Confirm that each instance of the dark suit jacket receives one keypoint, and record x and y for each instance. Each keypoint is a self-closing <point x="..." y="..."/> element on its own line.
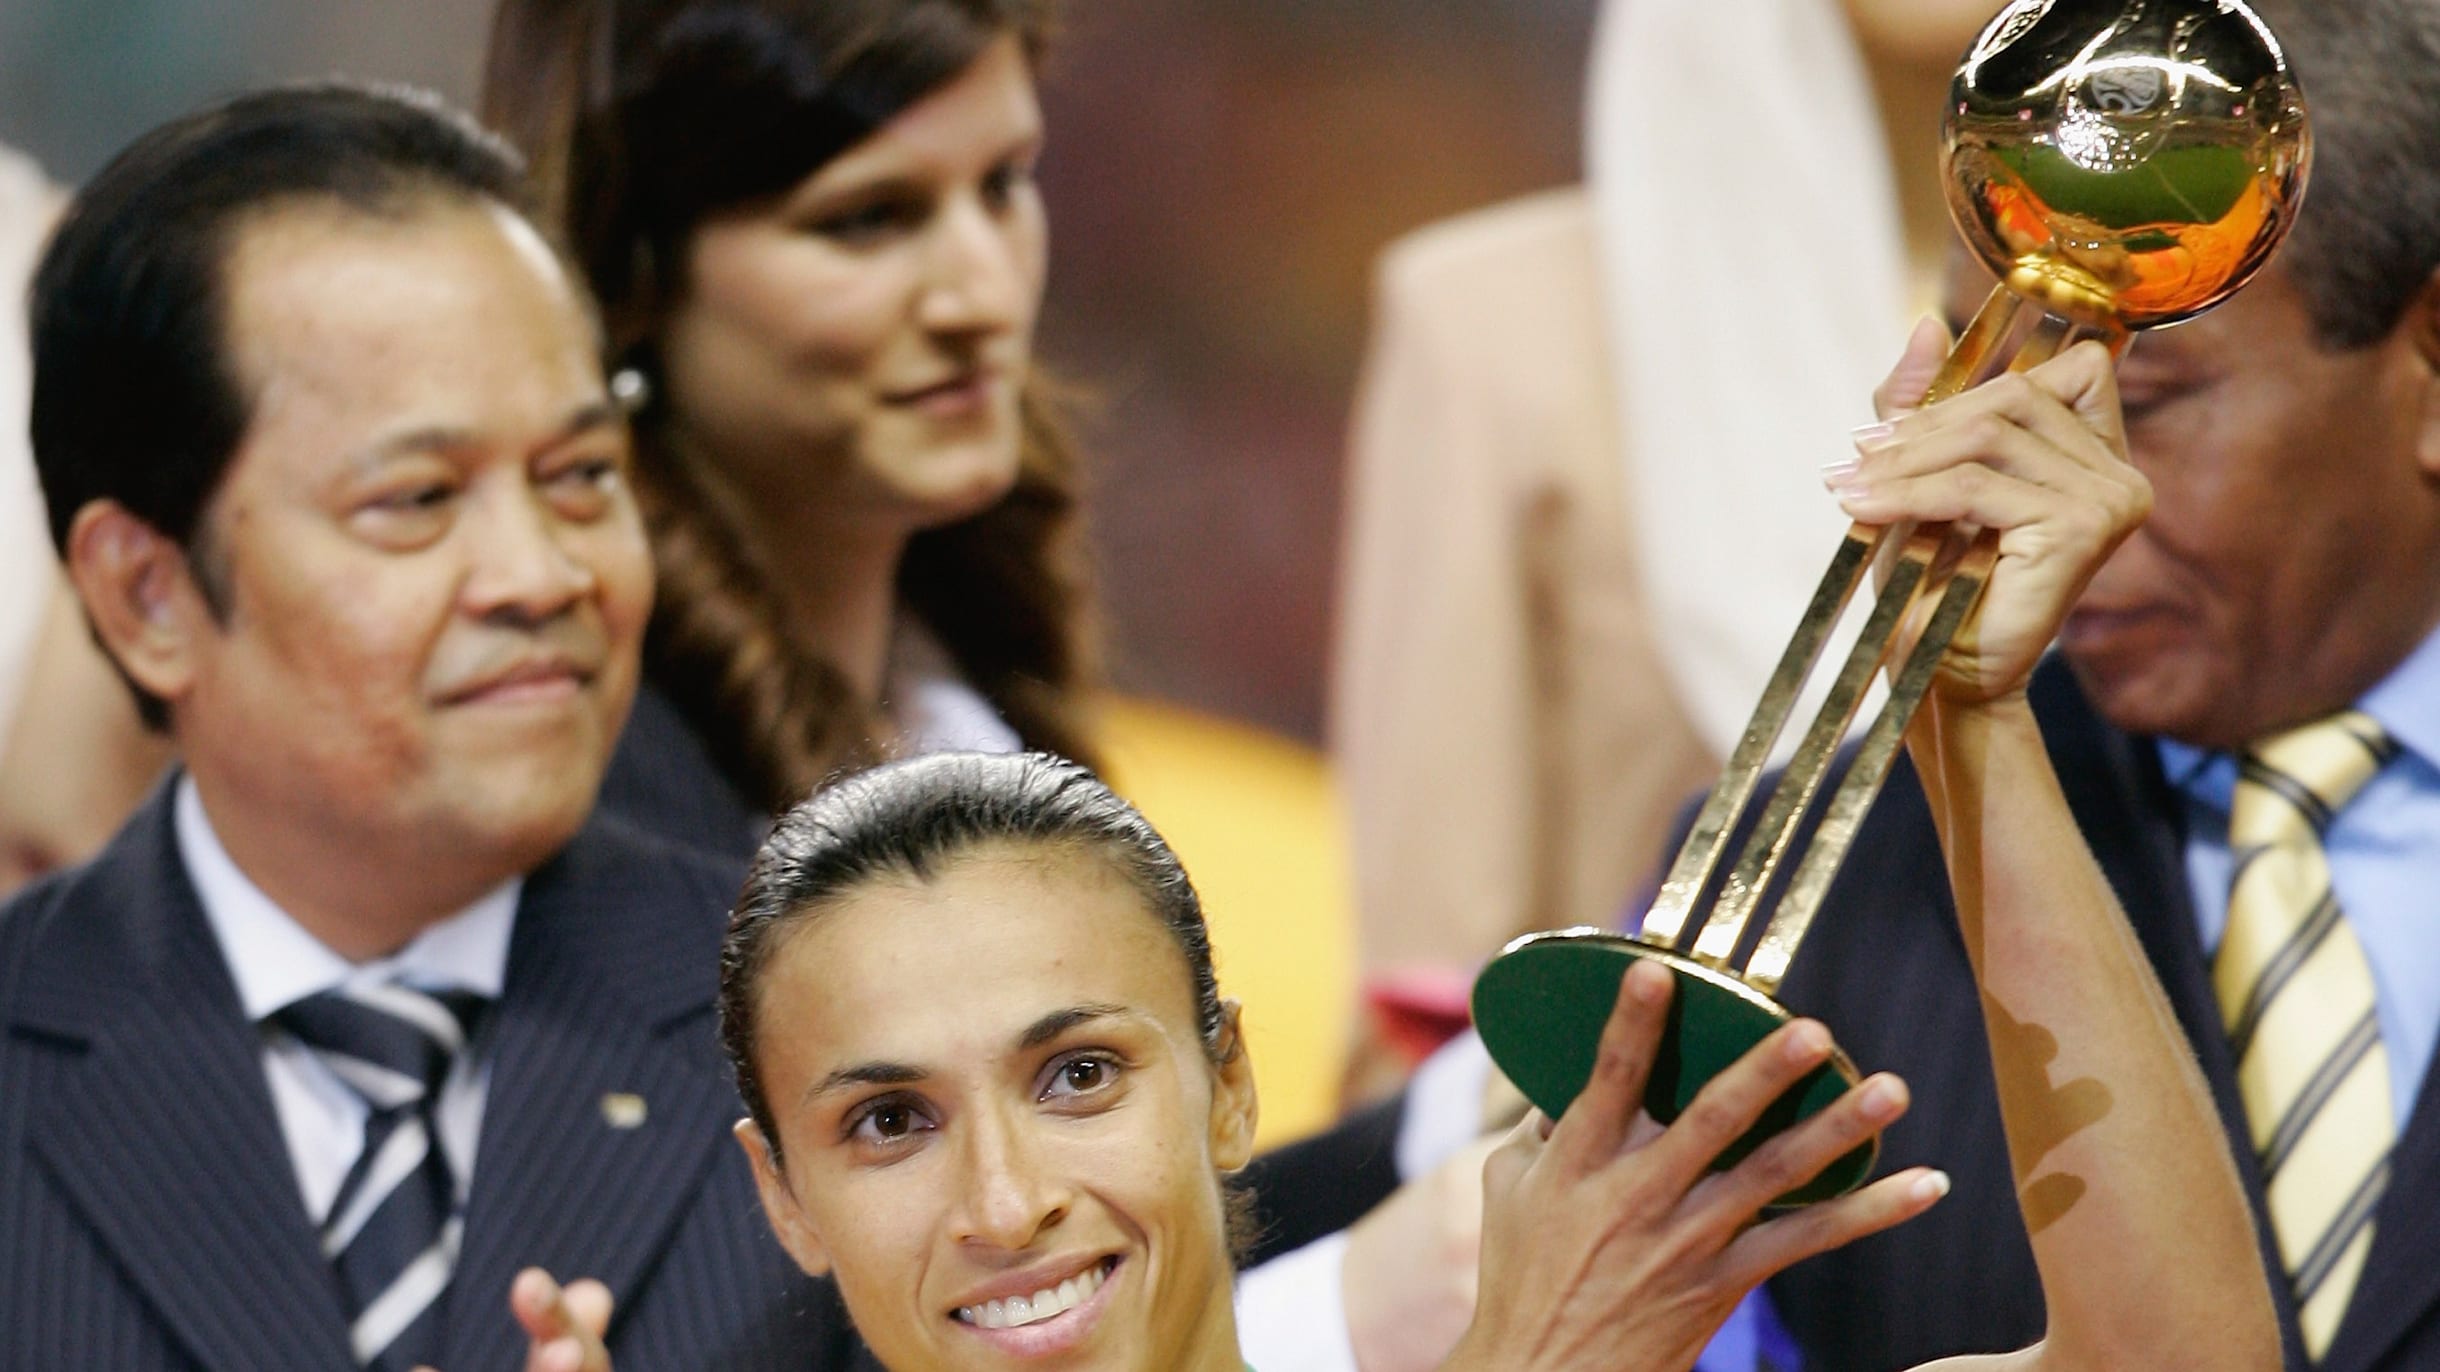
<point x="663" y="780"/>
<point x="149" y="1213"/>
<point x="1885" y="967"/>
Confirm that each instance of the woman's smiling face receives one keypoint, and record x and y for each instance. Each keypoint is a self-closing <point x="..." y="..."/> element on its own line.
<point x="862" y="338"/>
<point x="989" y="1085"/>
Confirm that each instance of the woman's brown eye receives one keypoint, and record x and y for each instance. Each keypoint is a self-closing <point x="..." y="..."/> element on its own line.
<point x="891" y="1121"/>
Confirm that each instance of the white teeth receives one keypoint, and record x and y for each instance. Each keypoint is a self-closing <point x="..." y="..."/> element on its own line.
<point x="1042" y="1305"/>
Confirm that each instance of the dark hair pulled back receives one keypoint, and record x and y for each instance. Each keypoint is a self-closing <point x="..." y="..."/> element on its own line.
<point x="911" y="819"/>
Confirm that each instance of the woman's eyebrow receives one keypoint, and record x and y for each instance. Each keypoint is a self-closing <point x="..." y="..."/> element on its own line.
<point x="863" y="1074"/>
<point x="1058" y="1022"/>
<point x="1040" y="1032"/>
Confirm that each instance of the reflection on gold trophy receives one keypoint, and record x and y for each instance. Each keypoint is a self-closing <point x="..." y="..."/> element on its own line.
<point x="2120" y="165"/>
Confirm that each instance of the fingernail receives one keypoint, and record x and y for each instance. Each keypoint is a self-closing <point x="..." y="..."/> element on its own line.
<point x="1883" y="1101"/>
<point x="1851" y="490"/>
<point x="1647" y="986"/>
<point x="1807" y="1043"/>
<point x="1931" y="1186"/>
<point x="1835" y="472"/>
<point x="1873" y="437"/>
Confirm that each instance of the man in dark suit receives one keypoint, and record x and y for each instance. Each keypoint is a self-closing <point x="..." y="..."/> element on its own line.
<point x="362" y="1012"/>
<point x="2287" y="582"/>
<point x="2290" y="575"/>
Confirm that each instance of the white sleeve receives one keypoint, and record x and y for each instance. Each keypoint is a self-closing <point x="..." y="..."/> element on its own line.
<point x="1444" y="1105"/>
<point x="1290" y="1314"/>
<point x="1290" y="1317"/>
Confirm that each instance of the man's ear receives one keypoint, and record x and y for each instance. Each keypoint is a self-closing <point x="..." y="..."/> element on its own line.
<point x="2422" y="325"/>
<point x="1235" y="1110"/>
<point x="139" y="594"/>
<point x="779" y="1203"/>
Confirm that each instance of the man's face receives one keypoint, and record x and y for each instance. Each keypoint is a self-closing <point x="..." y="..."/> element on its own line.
<point x="2293" y="553"/>
<point x="431" y="574"/>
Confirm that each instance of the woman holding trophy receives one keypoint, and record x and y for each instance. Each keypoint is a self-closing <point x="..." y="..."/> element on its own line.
<point x="1029" y="1169"/>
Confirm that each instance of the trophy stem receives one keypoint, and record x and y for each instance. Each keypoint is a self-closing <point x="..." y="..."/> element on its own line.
<point x="1932" y="562"/>
<point x="1960" y="568"/>
<point x="1870" y="768"/>
<point x="1699" y="856"/>
<point x="1806" y="770"/>
<point x="2002" y="312"/>
<point x="2049" y="339"/>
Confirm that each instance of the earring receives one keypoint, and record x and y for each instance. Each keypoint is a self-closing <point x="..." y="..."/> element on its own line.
<point x="631" y="389"/>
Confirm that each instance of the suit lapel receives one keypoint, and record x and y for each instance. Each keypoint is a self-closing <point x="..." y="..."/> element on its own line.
<point x="159" y="1127"/>
<point x="2133" y="820"/>
<point x="606" y="1014"/>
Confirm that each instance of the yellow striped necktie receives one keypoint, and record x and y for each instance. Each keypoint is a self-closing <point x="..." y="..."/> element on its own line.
<point x="2296" y="993"/>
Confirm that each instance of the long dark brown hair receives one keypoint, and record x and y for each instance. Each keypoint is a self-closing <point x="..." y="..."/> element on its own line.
<point x="640" y="118"/>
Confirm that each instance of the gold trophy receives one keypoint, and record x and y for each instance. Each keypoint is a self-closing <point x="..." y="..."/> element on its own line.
<point x="2120" y="165"/>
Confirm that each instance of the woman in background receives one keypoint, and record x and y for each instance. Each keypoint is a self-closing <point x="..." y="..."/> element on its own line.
<point x="815" y="233"/>
<point x="819" y="249"/>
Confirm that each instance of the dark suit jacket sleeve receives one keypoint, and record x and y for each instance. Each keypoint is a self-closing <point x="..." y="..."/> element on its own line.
<point x="1318" y="1186"/>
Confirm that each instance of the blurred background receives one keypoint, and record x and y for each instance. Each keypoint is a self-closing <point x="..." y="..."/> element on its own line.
<point x="1221" y="174"/>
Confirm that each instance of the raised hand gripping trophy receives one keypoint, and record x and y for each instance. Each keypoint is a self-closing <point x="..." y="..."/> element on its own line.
<point x="2120" y="165"/>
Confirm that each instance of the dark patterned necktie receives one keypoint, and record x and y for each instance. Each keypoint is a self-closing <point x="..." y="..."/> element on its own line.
<point x="394" y="1229"/>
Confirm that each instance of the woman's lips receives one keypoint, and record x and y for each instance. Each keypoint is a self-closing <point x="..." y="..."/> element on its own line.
<point x="961" y="397"/>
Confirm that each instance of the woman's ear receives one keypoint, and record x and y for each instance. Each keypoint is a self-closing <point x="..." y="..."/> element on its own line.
<point x="779" y="1203"/>
<point x="1235" y="1111"/>
<point x="139" y="594"/>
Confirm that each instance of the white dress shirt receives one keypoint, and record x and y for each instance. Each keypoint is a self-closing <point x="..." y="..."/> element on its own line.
<point x="931" y="705"/>
<point x="276" y="963"/>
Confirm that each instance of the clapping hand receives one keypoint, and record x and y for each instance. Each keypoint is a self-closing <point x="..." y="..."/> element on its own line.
<point x="564" y="1326"/>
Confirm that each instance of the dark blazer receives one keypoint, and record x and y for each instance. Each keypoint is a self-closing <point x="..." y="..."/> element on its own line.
<point x="1320" y="1185"/>
<point x="662" y="779"/>
<point x="149" y="1213"/>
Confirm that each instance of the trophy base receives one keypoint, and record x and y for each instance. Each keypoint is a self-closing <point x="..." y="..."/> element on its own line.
<point x="1541" y="1005"/>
